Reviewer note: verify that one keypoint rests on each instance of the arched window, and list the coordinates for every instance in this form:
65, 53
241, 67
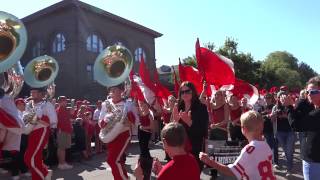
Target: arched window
94, 43
37, 49
138, 53
59, 43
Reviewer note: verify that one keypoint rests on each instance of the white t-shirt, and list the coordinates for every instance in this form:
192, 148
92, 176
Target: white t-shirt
96, 115
254, 162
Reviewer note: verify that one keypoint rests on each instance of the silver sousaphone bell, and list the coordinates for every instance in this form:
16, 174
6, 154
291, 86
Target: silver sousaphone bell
113, 65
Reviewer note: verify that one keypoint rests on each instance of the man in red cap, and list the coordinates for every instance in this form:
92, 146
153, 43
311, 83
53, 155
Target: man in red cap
116, 146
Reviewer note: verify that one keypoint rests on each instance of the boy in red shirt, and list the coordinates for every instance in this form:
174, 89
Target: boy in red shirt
183, 165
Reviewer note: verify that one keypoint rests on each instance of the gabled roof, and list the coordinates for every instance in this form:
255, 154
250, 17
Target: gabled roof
76, 3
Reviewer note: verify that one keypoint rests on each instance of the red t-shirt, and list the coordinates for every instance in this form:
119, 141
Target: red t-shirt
218, 116
235, 114
64, 120
165, 116
180, 167
145, 120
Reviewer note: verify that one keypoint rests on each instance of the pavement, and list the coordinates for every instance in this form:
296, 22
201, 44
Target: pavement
97, 169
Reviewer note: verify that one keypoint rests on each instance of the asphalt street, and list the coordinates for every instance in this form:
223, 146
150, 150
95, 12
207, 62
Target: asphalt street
97, 169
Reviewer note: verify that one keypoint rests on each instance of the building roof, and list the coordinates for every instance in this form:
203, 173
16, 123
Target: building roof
79, 4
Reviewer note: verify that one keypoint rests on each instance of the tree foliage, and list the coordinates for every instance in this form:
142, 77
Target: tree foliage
191, 61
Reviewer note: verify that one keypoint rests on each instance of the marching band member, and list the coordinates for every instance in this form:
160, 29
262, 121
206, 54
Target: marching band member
21, 105
117, 147
38, 138
10, 140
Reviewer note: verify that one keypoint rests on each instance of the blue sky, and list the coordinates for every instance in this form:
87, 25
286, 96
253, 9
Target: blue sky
260, 27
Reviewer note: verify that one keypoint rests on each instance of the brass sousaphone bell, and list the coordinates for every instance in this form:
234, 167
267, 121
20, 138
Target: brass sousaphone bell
41, 71
113, 65
13, 42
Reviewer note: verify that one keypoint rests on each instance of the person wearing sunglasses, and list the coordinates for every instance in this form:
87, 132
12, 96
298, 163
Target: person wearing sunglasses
305, 117
283, 130
193, 115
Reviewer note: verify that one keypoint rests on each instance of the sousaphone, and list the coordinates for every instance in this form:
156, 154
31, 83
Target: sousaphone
41, 71
13, 40
112, 67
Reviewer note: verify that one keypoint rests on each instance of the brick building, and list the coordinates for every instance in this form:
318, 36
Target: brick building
74, 33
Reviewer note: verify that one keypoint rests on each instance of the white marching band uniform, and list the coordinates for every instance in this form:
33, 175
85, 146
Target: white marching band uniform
124, 105
13, 136
39, 137
120, 135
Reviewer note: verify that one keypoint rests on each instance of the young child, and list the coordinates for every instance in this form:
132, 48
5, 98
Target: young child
183, 164
255, 160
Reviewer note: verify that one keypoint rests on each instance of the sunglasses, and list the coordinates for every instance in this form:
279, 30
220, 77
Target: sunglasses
188, 91
313, 92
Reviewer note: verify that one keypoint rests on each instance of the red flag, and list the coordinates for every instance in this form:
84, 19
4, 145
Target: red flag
244, 89
147, 93
191, 74
218, 70
162, 92
136, 92
182, 75
145, 76
176, 82
8, 122
199, 61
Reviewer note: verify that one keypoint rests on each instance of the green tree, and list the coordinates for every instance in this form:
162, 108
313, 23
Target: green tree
210, 46
306, 72
281, 68
191, 61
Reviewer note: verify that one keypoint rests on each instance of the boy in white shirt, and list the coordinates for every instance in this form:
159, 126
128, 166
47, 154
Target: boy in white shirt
255, 160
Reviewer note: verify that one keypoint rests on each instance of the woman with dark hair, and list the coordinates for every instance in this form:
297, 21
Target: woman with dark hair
193, 115
284, 132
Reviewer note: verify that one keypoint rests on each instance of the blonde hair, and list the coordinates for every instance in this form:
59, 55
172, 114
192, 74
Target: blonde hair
251, 120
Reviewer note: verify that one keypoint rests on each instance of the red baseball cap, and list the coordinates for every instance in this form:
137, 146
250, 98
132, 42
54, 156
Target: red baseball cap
19, 100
